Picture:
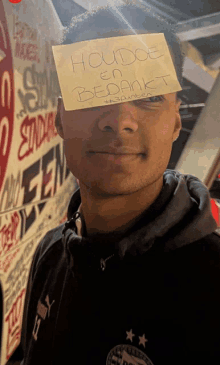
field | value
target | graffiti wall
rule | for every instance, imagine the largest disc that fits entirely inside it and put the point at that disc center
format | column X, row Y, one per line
column 35, row 183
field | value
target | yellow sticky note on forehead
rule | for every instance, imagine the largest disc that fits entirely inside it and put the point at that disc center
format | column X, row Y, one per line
column 114, row 70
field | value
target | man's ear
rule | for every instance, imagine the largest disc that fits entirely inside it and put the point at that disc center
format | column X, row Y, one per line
column 58, row 122
column 178, row 124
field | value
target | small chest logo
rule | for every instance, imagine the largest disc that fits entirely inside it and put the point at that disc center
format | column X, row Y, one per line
column 42, row 312
column 127, row 355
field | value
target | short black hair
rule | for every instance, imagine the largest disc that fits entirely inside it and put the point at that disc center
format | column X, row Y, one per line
column 130, row 15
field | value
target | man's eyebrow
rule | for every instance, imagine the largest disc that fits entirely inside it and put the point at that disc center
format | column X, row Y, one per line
column 153, row 96
column 92, row 108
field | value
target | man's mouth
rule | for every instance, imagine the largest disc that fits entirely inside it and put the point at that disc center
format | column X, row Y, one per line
column 116, row 151
column 117, row 156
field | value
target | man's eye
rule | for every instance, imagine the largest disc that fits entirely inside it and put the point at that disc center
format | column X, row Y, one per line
column 154, row 99
column 151, row 100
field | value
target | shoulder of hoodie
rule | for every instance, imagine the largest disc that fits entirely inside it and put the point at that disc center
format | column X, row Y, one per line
column 202, row 256
column 209, row 244
column 51, row 244
column 198, row 266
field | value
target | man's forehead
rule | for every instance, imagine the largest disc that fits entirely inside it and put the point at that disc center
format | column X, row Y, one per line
column 113, row 67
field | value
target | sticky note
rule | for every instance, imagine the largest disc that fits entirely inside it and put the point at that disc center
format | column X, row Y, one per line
column 114, row 70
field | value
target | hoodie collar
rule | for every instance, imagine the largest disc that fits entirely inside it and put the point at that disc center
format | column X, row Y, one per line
column 179, row 216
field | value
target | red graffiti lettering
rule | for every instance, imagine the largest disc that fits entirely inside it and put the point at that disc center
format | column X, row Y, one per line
column 6, row 263
column 27, row 51
column 14, row 319
column 8, row 234
column 36, row 131
column 24, row 31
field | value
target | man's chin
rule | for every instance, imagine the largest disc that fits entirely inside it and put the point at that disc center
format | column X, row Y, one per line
column 110, row 188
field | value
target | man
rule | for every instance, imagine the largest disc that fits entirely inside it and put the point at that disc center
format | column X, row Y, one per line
column 133, row 276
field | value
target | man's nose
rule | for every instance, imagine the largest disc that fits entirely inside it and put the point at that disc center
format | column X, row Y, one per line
column 122, row 119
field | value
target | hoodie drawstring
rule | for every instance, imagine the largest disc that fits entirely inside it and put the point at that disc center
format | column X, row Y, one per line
column 103, row 262
column 71, row 222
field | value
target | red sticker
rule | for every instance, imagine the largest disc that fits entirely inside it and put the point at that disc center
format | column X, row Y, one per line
column 6, row 95
column 15, row 1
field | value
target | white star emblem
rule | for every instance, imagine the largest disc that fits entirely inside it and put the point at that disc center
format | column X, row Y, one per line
column 130, row 335
column 142, row 340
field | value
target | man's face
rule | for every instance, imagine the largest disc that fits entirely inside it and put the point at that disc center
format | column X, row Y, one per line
column 122, row 148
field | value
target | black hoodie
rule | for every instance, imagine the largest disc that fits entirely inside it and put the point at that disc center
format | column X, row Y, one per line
column 149, row 296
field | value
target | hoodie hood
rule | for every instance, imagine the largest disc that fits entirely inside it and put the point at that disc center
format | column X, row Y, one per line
column 179, row 216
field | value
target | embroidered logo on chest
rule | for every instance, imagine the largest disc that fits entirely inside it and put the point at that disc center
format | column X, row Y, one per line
column 127, row 354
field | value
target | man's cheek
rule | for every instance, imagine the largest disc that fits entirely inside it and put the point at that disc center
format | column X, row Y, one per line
column 72, row 128
column 73, row 145
column 166, row 128
column 69, row 131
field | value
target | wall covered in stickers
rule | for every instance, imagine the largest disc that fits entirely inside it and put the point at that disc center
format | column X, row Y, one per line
column 35, row 183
